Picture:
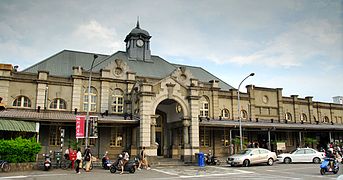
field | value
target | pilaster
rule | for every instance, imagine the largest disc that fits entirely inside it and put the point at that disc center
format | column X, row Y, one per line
column 194, row 114
column 280, row 104
column 310, row 109
column 5, row 75
column 215, row 100
column 251, row 92
column 77, row 88
column 296, row 115
column 42, row 89
column 105, row 88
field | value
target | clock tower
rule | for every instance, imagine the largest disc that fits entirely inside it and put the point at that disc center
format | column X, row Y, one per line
column 138, row 44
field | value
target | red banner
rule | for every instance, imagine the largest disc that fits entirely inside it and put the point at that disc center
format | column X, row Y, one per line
column 80, row 126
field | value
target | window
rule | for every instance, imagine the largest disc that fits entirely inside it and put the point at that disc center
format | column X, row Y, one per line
column 54, row 136
column 58, row 104
column 205, row 136
column 91, row 141
column 326, row 119
column 117, row 101
column 93, row 95
column 244, row 114
column 303, row 117
column 300, row 151
column 22, row 101
column 226, row 138
column 309, row 151
column 288, row 116
column 116, row 137
column 204, row 107
column 226, row 114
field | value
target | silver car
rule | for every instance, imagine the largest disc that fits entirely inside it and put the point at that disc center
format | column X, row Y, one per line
column 252, row 156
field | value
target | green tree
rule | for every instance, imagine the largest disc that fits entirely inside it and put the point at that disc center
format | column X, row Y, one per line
column 310, row 142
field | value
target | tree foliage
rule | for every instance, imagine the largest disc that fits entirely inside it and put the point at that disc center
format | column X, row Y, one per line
column 19, row 150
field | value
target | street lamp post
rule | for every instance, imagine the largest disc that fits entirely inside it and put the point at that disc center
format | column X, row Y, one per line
column 89, row 99
column 239, row 110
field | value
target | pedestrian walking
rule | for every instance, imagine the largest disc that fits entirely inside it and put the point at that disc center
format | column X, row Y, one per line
column 78, row 161
column 88, row 158
column 143, row 160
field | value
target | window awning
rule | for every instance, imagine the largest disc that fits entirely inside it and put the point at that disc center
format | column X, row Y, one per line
column 13, row 125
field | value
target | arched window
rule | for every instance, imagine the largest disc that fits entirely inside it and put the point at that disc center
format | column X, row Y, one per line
column 225, row 114
column 204, row 107
column 288, row 116
column 326, row 119
column 303, row 117
column 58, row 104
column 244, row 114
column 22, row 101
column 93, row 94
column 117, row 101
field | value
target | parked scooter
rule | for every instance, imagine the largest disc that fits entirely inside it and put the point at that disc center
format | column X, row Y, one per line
column 106, row 161
column 129, row 166
column 211, row 159
column 329, row 165
column 47, row 161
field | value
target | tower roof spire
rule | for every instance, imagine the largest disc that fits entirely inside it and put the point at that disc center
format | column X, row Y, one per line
column 137, row 26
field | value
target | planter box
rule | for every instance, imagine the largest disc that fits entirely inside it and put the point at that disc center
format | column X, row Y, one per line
column 23, row 166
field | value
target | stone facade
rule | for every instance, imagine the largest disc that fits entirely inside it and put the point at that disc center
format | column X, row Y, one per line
column 175, row 115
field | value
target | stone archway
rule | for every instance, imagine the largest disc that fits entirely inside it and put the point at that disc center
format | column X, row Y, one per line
column 168, row 123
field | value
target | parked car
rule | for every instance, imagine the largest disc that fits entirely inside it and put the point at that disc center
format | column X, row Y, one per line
column 252, row 156
column 302, row 155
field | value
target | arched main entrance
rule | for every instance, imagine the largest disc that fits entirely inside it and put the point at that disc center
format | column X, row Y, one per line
column 168, row 130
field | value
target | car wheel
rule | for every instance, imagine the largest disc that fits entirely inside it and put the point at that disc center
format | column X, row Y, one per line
column 287, row 160
column 270, row 161
column 246, row 163
column 316, row 160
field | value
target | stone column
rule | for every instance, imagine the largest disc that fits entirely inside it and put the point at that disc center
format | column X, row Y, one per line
column 5, row 74
column 281, row 115
column 105, row 89
column 187, row 149
column 145, row 103
column 77, row 88
column 42, row 89
column 186, row 125
column 153, row 131
column 194, row 115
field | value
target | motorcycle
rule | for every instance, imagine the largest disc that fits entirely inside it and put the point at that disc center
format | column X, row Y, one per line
column 47, row 162
column 106, row 161
column 211, row 160
column 129, row 166
column 329, row 165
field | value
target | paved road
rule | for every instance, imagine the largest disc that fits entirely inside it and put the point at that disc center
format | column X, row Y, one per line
column 277, row 171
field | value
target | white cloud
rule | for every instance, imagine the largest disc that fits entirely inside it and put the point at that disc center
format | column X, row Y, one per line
column 303, row 40
column 95, row 36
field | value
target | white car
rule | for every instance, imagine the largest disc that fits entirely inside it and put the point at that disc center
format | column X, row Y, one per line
column 302, row 155
column 252, row 156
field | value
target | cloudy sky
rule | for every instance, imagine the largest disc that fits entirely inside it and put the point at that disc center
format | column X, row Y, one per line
column 295, row 45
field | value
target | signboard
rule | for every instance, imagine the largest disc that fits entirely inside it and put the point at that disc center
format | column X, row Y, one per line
column 93, row 127
column 80, row 126
column 281, row 146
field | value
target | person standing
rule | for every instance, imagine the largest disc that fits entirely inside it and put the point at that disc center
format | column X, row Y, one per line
column 78, row 161
column 88, row 158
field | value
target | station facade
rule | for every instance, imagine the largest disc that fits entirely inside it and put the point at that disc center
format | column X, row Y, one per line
column 173, row 110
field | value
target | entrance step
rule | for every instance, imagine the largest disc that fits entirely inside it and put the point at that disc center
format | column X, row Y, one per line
column 161, row 161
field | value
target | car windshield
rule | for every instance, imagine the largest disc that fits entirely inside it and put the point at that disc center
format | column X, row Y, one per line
column 247, row 151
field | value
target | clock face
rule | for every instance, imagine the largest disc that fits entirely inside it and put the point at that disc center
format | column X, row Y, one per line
column 140, row 43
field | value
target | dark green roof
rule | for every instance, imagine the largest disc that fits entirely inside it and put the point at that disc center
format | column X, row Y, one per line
column 13, row 125
column 61, row 64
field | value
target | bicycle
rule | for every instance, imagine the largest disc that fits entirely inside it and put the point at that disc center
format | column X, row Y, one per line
column 5, row 166
column 65, row 164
